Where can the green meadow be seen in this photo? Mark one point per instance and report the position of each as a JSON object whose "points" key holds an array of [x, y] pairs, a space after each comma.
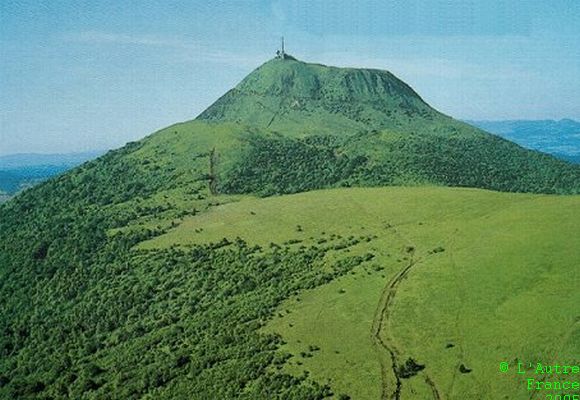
{"points": [[493, 280]]}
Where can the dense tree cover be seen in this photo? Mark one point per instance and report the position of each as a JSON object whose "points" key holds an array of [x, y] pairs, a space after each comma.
{"points": [[83, 314], [172, 324], [284, 165], [276, 165]]}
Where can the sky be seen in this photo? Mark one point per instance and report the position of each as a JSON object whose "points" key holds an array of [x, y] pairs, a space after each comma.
{"points": [[83, 75]]}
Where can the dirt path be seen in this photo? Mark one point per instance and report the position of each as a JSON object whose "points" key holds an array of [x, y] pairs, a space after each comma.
{"points": [[386, 343], [212, 179]]}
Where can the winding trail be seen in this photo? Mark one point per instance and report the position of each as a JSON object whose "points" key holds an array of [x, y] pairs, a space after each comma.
{"points": [[386, 343]]}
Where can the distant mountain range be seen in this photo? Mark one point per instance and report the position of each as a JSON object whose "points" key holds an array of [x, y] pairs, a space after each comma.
{"points": [[19, 171], [559, 138], [20, 160]]}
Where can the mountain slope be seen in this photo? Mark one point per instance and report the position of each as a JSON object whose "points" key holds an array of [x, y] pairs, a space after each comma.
{"points": [[88, 310], [297, 98], [366, 127], [482, 259]]}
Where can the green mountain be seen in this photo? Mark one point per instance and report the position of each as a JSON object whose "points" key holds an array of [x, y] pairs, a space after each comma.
{"points": [[160, 271], [298, 98], [343, 127]]}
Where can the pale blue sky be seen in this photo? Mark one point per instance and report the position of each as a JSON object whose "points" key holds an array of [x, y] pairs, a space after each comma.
{"points": [[78, 75]]}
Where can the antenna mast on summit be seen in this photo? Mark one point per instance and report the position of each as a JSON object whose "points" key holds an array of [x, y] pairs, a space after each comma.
{"points": [[281, 53]]}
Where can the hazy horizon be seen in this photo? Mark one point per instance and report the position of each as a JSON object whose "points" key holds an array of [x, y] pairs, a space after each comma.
{"points": [[84, 77]]}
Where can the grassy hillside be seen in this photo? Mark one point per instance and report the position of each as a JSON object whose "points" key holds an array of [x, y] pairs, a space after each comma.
{"points": [[297, 98], [196, 310], [492, 276]]}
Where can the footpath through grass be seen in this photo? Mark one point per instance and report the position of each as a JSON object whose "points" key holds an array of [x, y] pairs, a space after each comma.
{"points": [[494, 278]]}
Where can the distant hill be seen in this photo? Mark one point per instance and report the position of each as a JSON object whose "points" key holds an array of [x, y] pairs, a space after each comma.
{"points": [[560, 138], [20, 171], [14, 179], [20, 160]]}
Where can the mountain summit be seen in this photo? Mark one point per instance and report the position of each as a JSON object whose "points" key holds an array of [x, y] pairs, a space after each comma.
{"points": [[370, 116], [296, 97]]}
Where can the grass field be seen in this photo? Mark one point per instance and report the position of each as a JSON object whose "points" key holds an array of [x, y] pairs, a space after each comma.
{"points": [[462, 279]]}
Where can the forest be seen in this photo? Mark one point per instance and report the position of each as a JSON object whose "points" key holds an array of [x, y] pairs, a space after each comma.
{"points": [[110, 321], [282, 165]]}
